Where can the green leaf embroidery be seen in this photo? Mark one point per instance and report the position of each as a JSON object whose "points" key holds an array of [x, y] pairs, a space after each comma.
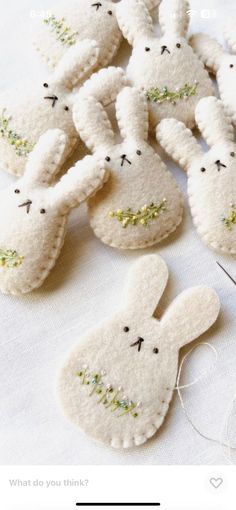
{"points": [[21, 146], [10, 258], [230, 220], [160, 95], [63, 33], [107, 394], [142, 216]]}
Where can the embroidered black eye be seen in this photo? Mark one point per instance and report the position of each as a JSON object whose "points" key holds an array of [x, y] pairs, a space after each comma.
{"points": [[16, 191], [138, 152], [147, 49], [45, 85], [231, 65], [66, 108], [203, 169], [126, 329], [108, 158], [178, 45], [110, 13], [42, 211], [155, 350], [232, 154]]}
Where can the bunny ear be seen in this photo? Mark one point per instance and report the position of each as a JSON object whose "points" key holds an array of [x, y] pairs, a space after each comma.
{"points": [[208, 50], [105, 85], [179, 142], [89, 116], [92, 123], [213, 121], [134, 20], [132, 114], [47, 157], [79, 183], [191, 314], [230, 33], [146, 283], [173, 17], [77, 64]]}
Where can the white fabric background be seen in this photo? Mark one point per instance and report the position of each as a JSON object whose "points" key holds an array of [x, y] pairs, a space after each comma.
{"points": [[37, 330]]}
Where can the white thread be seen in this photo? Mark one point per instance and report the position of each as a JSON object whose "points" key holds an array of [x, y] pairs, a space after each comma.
{"points": [[229, 413]]}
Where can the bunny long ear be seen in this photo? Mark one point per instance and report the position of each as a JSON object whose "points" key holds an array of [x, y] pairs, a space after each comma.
{"points": [[179, 142], [208, 50], [134, 20], [47, 157], [230, 33], [105, 85], [173, 17], [146, 283], [191, 314], [92, 123], [132, 114], [77, 64], [213, 121], [79, 183]]}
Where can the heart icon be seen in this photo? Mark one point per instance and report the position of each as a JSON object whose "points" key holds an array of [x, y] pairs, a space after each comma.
{"points": [[216, 482]]}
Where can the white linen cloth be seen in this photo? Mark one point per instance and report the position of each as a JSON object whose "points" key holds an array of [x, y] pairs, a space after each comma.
{"points": [[38, 329]]}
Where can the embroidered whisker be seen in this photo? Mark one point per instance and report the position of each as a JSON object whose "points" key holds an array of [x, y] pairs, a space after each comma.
{"points": [[226, 272], [143, 216], [157, 95]]}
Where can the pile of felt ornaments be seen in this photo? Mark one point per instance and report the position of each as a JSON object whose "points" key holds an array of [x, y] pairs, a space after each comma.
{"points": [[133, 199]]}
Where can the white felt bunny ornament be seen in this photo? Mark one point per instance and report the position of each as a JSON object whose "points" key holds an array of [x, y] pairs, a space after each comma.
{"points": [[72, 21], [141, 203], [33, 214], [31, 108], [220, 62], [166, 68], [211, 175], [118, 382]]}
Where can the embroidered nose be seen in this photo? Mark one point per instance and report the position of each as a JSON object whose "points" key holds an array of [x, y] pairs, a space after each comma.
{"points": [[219, 164], [123, 159], [26, 204], [138, 343], [97, 5], [53, 98], [163, 49]]}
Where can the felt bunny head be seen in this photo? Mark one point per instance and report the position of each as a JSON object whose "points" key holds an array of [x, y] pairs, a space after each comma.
{"points": [[220, 62], [33, 215], [141, 203], [166, 68], [117, 384], [211, 175], [75, 20], [28, 110]]}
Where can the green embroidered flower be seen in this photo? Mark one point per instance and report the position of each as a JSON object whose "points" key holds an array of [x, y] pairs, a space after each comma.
{"points": [[108, 395], [21, 146], [230, 220], [142, 216], [10, 258], [160, 95], [63, 33]]}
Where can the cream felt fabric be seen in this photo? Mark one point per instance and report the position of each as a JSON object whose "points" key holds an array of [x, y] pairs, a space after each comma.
{"points": [[220, 62], [165, 68], [141, 203], [34, 215], [84, 19], [211, 175], [118, 382], [30, 108]]}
